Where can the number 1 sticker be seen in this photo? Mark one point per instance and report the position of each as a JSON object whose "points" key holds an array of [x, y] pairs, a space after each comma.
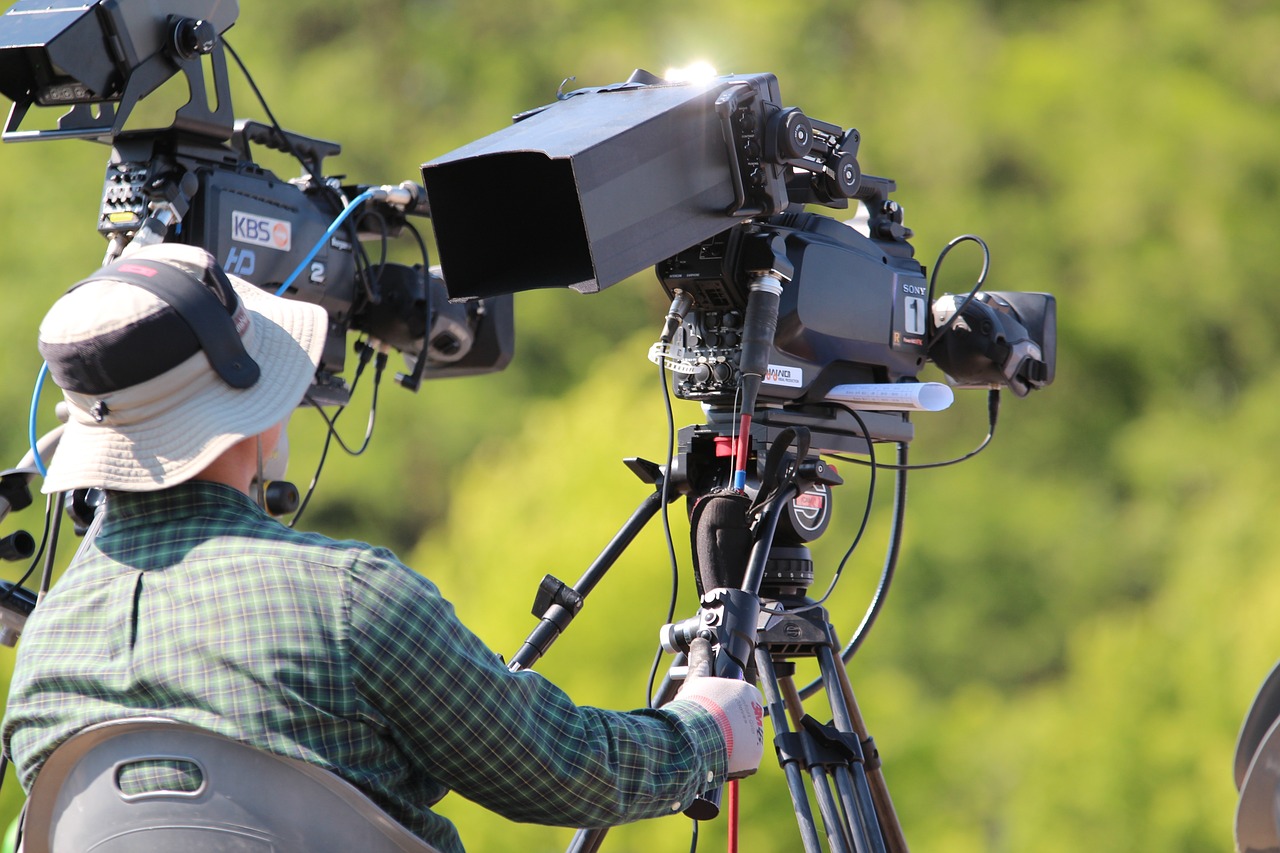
{"points": [[913, 315]]}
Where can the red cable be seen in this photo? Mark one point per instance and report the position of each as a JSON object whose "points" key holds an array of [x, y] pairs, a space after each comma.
{"points": [[744, 443], [733, 816]]}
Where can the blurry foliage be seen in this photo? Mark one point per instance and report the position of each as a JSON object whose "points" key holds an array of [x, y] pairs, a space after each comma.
{"points": [[1082, 613]]}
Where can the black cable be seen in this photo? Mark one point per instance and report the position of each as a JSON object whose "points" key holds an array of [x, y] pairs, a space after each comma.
{"points": [[380, 366], [857, 538], [35, 561], [993, 415], [866, 513], [364, 269], [936, 335], [673, 561], [886, 574], [366, 353], [426, 282], [312, 169], [891, 557], [772, 479], [315, 478], [40, 552], [46, 576], [422, 245]]}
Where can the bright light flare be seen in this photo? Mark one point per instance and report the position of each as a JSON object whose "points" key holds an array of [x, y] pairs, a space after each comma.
{"points": [[695, 72]]}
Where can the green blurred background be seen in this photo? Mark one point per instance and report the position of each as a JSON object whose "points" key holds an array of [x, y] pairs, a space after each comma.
{"points": [[1082, 612]]}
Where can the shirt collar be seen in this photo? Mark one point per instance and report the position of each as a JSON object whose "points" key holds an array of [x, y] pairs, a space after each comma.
{"points": [[185, 500]]}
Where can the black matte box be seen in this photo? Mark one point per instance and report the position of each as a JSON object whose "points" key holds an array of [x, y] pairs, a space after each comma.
{"points": [[44, 43], [593, 188], [52, 44]]}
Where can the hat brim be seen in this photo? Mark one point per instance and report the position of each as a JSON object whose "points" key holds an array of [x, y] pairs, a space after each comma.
{"points": [[190, 416]]}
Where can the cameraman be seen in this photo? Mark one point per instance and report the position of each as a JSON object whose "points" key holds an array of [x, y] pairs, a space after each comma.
{"points": [[192, 603]]}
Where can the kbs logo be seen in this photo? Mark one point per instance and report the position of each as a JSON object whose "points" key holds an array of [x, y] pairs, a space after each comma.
{"points": [[261, 231]]}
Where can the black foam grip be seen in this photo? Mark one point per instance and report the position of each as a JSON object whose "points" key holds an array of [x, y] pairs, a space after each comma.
{"points": [[721, 538]]}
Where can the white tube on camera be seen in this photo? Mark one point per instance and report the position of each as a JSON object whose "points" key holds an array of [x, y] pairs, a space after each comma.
{"points": [[897, 397]]}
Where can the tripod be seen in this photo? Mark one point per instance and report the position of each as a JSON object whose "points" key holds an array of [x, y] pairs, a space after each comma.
{"points": [[752, 578], [840, 757]]}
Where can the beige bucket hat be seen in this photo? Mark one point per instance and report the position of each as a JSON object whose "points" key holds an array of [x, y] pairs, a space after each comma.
{"points": [[153, 398]]}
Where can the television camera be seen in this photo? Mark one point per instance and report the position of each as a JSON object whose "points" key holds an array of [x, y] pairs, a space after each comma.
{"points": [[708, 182], [798, 333], [196, 181]]}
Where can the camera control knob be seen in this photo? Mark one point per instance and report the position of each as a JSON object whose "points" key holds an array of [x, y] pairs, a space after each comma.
{"points": [[791, 135], [194, 37], [844, 176]]}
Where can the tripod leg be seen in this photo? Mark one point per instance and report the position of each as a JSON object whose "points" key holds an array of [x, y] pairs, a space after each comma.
{"points": [[773, 697], [587, 841], [858, 792], [895, 841], [850, 815]]}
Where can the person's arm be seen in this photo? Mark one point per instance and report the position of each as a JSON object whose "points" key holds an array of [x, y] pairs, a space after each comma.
{"points": [[514, 742]]}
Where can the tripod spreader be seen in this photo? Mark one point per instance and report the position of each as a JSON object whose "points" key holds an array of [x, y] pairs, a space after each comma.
{"points": [[820, 745]]}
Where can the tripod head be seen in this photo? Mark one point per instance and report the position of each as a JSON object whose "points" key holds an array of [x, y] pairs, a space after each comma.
{"points": [[783, 478]]}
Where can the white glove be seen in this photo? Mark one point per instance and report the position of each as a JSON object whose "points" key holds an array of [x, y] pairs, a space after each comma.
{"points": [[738, 707]]}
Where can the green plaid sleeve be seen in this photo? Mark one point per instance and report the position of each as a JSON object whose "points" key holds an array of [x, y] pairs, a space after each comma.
{"points": [[514, 742]]}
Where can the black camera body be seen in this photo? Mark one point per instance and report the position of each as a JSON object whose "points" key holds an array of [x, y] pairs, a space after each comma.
{"points": [[256, 225], [271, 232], [708, 181], [860, 317], [196, 181]]}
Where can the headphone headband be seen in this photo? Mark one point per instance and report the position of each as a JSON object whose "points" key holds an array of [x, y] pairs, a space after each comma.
{"points": [[208, 306]]}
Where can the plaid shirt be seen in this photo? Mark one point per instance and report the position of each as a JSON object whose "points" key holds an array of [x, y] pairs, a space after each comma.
{"points": [[194, 604]]}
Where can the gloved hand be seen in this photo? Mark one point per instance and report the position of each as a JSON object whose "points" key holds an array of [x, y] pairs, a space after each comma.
{"points": [[738, 707]]}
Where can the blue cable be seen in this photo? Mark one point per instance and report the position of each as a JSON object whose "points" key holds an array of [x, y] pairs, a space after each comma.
{"points": [[315, 250], [31, 423]]}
